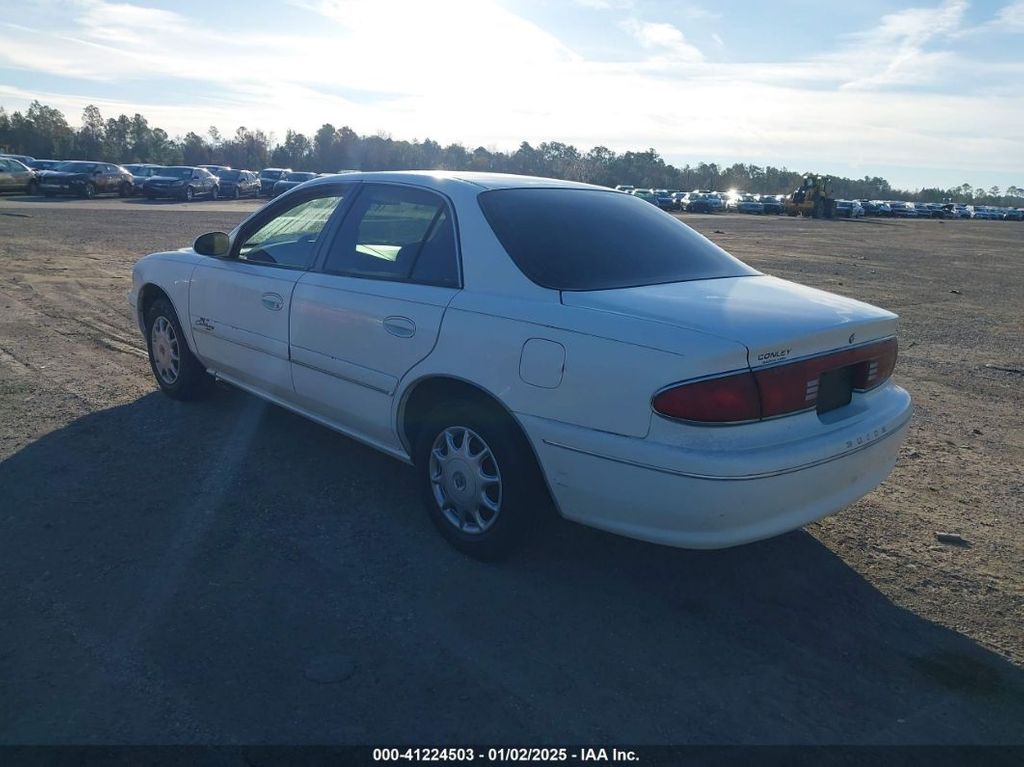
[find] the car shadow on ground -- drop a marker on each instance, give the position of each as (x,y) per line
(59,198)
(228,572)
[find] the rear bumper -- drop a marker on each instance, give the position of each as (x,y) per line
(664,494)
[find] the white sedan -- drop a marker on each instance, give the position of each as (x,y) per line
(528,343)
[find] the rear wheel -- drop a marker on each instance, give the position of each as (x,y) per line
(478,478)
(89,191)
(124,190)
(177,371)
(189,194)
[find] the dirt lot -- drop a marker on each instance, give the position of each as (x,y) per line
(228,572)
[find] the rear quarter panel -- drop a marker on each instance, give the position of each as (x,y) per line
(612,365)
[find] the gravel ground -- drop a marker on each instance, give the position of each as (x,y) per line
(228,572)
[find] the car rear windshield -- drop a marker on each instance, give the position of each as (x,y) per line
(581,239)
(229,175)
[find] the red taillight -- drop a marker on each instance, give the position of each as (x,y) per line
(730,399)
(778,390)
(877,366)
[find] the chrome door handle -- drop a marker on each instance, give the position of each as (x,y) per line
(272,301)
(402,327)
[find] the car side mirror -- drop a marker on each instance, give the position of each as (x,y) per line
(216,244)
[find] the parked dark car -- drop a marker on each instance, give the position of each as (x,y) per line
(771,204)
(87,179)
(17,177)
(141,172)
(291,180)
(663,199)
(269,177)
(238,183)
(903,209)
(699,202)
(182,182)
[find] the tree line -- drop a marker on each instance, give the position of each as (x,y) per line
(43,131)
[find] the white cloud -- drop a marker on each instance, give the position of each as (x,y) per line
(605,5)
(663,38)
(895,52)
(1011,17)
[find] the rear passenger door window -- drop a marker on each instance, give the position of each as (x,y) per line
(399,234)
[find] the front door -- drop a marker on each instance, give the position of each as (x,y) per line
(239,306)
(374,309)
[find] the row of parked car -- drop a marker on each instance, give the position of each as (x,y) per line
(88,178)
(709,201)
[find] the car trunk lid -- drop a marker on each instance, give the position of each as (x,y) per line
(776,320)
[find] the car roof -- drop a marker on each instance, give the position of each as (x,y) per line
(440,179)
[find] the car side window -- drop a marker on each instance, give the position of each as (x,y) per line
(5,167)
(396,233)
(289,238)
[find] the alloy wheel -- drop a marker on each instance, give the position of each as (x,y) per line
(465,480)
(163,344)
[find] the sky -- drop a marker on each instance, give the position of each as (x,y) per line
(927,93)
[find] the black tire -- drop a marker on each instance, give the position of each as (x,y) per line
(89,191)
(190,194)
(214,193)
(33,188)
(237,195)
(521,496)
(191,381)
(124,190)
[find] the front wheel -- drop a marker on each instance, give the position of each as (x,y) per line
(177,371)
(33,188)
(89,191)
(237,195)
(478,479)
(213,193)
(124,190)
(189,194)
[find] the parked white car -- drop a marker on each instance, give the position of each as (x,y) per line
(523,340)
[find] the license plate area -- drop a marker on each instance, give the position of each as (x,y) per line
(835,389)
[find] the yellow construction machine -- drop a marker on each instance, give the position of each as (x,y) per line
(812,198)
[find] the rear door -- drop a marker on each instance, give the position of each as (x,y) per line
(374,307)
(239,305)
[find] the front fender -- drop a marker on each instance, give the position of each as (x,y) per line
(171,273)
